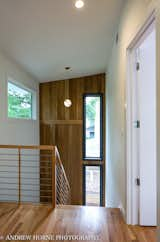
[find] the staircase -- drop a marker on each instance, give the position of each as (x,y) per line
(33,174)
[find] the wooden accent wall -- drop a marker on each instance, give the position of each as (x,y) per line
(63,126)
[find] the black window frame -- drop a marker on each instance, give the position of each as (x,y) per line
(101,182)
(85,158)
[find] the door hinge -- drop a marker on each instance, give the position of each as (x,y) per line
(138,181)
(137,66)
(137,124)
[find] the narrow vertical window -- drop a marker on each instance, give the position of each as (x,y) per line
(92,185)
(92,127)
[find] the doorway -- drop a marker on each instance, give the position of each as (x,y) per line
(141,129)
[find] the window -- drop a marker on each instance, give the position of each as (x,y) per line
(19,102)
(92,185)
(92,127)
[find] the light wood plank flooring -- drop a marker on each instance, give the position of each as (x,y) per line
(107,225)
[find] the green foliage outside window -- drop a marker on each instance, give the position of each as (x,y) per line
(91,107)
(19,102)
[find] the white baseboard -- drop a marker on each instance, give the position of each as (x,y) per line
(123,211)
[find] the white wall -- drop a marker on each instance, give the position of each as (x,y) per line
(158,109)
(132,19)
(18,132)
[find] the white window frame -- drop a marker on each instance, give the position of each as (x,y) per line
(34,99)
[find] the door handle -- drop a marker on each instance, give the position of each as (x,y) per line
(136,124)
(138,181)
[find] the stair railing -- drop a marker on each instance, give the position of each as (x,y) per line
(63,190)
(32,174)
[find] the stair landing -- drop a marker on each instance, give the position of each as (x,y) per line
(96,223)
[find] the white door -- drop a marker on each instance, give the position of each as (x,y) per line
(146,139)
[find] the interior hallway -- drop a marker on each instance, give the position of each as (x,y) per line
(107,224)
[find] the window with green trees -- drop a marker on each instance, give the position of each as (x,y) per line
(19,102)
(92,127)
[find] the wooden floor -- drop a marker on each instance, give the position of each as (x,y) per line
(98,224)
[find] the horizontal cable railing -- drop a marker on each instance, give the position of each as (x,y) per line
(63,191)
(28,174)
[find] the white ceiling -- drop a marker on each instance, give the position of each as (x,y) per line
(44,36)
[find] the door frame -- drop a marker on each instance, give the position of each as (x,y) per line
(131,171)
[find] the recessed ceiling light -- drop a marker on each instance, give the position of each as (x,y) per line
(79,4)
(67,68)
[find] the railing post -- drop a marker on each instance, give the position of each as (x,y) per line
(54,177)
(19,175)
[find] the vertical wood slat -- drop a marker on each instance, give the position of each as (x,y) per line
(63,126)
(19,175)
(67,111)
